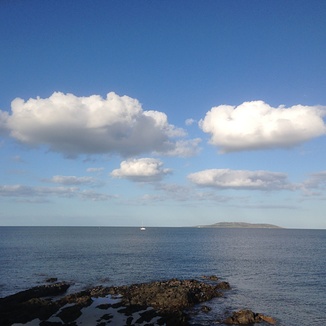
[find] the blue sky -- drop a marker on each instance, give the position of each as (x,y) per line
(181,113)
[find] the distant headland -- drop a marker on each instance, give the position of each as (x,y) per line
(240,225)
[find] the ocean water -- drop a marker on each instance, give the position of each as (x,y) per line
(278,272)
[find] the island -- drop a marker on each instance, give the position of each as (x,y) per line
(240,225)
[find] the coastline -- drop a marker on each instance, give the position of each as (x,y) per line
(168,302)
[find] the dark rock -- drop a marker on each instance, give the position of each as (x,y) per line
(51,280)
(106,317)
(210,277)
(223,286)
(104,306)
(167,299)
(148,315)
(248,317)
(25,306)
(83,299)
(205,308)
(35,292)
(69,314)
(50,323)
(169,295)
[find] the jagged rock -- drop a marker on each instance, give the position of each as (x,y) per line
(223,286)
(169,295)
(28,305)
(247,317)
(210,277)
(69,314)
(167,300)
(205,308)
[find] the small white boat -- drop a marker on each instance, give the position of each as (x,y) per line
(142,228)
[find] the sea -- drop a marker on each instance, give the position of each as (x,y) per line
(277,272)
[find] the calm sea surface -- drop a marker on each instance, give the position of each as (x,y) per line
(278,272)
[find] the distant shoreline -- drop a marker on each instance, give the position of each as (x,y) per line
(240,225)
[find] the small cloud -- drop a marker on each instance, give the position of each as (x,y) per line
(241,179)
(316,180)
(190,122)
(94,170)
(4,117)
(141,170)
(256,125)
(184,148)
(39,194)
(95,196)
(71,180)
(28,191)
(17,159)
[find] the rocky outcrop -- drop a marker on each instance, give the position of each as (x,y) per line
(167,299)
(170,295)
(28,305)
(248,317)
(162,301)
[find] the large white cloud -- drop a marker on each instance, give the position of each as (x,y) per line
(241,179)
(256,125)
(141,170)
(86,125)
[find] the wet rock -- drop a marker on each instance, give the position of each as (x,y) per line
(51,280)
(248,317)
(35,292)
(166,299)
(205,308)
(169,295)
(69,314)
(210,277)
(27,305)
(223,286)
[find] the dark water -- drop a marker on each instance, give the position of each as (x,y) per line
(277,272)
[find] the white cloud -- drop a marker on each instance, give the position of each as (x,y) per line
(190,122)
(256,125)
(183,148)
(188,194)
(21,191)
(240,179)
(71,180)
(3,122)
(141,170)
(316,180)
(28,191)
(94,170)
(88,125)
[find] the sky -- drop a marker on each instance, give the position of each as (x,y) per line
(162,113)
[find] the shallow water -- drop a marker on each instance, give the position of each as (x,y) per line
(278,272)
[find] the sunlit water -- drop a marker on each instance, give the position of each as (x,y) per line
(278,272)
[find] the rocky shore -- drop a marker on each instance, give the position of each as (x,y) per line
(154,303)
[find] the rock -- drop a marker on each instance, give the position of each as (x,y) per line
(69,314)
(28,305)
(166,299)
(247,317)
(268,319)
(51,280)
(205,308)
(169,295)
(223,286)
(35,292)
(210,278)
